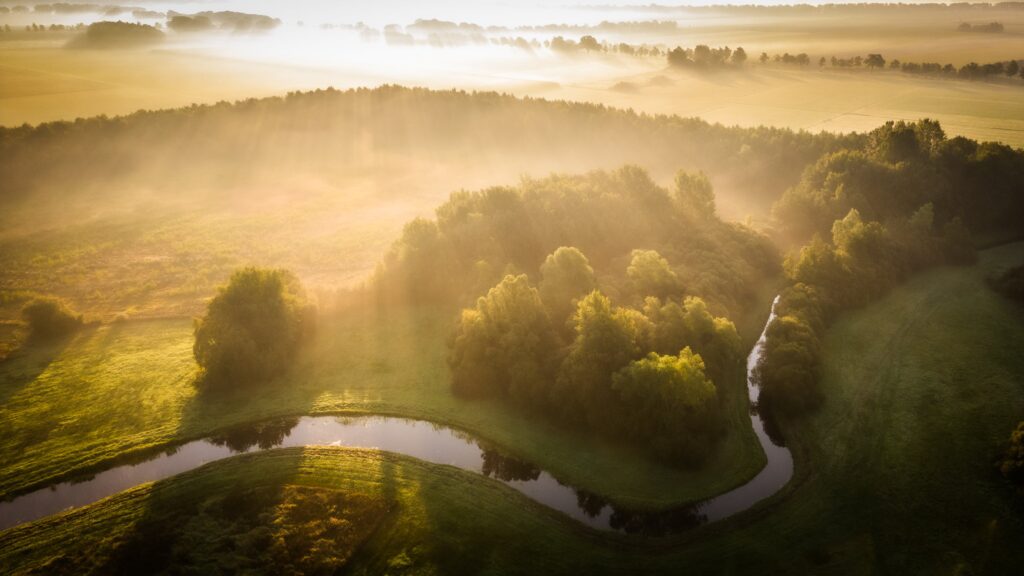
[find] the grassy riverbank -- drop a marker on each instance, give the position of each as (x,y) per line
(126,388)
(894,474)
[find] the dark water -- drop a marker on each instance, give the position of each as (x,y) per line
(428,442)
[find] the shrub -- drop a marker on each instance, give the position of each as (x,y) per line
(49,319)
(252,328)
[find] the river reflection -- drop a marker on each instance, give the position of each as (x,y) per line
(428,442)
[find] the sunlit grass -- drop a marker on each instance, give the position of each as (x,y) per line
(128,387)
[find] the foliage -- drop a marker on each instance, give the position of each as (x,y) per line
(670,403)
(117,35)
(694,193)
(252,328)
(566,275)
(881,208)
(504,346)
(478,237)
(49,318)
(651,275)
(606,340)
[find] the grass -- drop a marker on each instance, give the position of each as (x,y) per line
(125,389)
(894,473)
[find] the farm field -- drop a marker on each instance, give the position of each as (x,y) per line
(913,408)
(40,84)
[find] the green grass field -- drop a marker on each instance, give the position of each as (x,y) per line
(126,388)
(894,474)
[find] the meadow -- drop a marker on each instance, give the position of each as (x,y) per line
(40,81)
(127,389)
(922,387)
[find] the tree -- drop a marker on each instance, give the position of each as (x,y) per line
(674,326)
(763,58)
(1012,68)
(566,275)
(590,44)
(504,346)
(678,57)
(821,62)
(49,319)
(606,340)
(651,274)
(668,402)
(874,61)
(695,194)
(252,328)
(739,57)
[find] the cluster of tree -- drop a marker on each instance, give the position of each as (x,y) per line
(117,35)
(49,319)
(252,329)
(588,43)
(79,8)
(704,57)
(605,373)
(990,28)
(908,200)
(800,59)
(224,20)
(44,28)
(1010,283)
(479,237)
(552,255)
(900,168)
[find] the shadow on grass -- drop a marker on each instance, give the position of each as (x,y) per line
(31,359)
(268,512)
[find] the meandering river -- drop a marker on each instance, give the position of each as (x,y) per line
(431,443)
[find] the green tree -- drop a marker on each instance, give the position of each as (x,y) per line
(505,346)
(606,340)
(566,276)
(252,328)
(695,194)
(669,403)
(651,275)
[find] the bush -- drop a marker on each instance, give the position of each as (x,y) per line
(49,319)
(252,328)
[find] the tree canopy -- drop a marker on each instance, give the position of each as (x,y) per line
(252,328)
